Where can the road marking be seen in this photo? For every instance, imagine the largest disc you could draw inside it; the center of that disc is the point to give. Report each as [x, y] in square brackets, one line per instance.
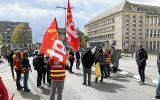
[6, 75]
[155, 81]
[123, 73]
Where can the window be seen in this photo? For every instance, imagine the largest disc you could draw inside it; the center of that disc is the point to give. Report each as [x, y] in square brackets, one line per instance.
[134, 16]
[147, 20]
[140, 21]
[140, 17]
[133, 33]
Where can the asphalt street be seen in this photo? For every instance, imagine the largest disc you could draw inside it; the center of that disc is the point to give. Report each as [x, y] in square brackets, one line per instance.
[114, 88]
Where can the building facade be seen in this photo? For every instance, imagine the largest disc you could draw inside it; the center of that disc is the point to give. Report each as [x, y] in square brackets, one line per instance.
[7, 28]
[129, 25]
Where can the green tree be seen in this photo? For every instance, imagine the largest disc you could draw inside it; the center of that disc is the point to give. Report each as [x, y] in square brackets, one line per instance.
[18, 37]
[1, 39]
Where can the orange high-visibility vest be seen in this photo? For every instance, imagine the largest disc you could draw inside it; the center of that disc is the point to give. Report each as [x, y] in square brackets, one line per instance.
[57, 70]
[108, 59]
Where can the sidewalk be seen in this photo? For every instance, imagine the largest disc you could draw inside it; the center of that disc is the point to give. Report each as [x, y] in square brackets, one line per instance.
[10, 84]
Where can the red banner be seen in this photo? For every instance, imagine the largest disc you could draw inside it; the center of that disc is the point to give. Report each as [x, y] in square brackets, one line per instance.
[71, 35]
[52, 45]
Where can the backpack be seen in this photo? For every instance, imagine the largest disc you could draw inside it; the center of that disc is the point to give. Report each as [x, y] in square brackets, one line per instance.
[102, 59]
[35, 62]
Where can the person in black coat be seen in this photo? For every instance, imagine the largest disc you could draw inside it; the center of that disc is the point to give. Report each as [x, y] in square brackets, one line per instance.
[71, 60]
[77, 60]
[10, 60]
[87, 62]
[141, 57]
[40, 68]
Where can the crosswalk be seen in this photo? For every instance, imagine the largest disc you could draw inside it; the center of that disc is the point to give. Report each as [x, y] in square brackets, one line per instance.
[6, 75]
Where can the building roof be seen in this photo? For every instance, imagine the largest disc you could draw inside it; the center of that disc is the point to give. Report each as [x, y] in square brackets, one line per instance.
[152, 10]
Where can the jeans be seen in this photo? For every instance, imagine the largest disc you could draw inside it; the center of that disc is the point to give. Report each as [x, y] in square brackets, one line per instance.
[141, 70]
[85, 72]
[158, 88]
[25, 82]
[44, 75]
[57, 87]
[18, 72]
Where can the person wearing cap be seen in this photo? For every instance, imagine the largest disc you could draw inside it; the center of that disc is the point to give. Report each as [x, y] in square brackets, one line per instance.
[141, 57]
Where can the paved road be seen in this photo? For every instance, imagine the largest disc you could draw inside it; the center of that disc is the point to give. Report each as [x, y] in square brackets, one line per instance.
[114, 88]
[130, 65]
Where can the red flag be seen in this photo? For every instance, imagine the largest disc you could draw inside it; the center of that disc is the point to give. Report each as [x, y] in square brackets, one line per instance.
[52, 45]
[72, 37]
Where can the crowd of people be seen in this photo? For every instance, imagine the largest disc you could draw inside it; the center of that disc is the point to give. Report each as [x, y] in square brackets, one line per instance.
[53, 72]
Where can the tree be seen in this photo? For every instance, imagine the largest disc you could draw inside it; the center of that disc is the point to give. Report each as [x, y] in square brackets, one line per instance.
[1, 39]
[18, 37]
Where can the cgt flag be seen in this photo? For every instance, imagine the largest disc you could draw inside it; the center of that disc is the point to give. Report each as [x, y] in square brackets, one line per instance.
[72, 37]
[52, 45]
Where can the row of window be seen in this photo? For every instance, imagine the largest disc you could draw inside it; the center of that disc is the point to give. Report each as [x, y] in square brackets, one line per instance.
[152, 32]
[153, 21]
[103, 30]
[152, 45]
[102, 23]
[134, 16]
[107, 36]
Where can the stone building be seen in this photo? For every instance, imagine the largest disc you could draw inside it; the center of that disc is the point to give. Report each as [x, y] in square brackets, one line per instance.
[7, 28]
[129, 24]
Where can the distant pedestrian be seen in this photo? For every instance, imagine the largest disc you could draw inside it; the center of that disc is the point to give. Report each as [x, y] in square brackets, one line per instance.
[102, 61]
[87, 62]
[57, 74]
[77, 60]
[18, 68]
[40, 68]
[115, 56]
[26, 68]
[3, 91]
[108, 61]
[10, 60]
[158, 85]
[141, 57]
[71, 60]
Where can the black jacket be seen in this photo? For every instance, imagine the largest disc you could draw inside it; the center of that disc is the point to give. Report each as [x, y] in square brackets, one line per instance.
[88, 59]
[141, 57]
[77, 55]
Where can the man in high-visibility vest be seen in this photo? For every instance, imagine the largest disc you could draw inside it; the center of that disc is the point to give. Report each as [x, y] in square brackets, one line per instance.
[57, 73]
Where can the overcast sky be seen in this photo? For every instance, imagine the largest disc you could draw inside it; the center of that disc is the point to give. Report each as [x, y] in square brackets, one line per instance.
[40, 13]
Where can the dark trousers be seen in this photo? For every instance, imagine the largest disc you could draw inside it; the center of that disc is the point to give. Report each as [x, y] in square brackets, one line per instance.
[108, 70]
[39, 77]
[102, 68]
[48, 78]
[114, 70]
[71, 65]
[18, 74]
[44, 75]
[77, 64]
[141, 70]
[12, 69]
[86, 71]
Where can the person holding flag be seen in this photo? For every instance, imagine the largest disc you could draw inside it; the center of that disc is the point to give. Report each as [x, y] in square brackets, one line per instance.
[53, 47]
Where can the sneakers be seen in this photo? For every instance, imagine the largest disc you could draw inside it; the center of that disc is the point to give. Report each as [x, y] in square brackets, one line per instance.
[27, 90]
[18, 88]
[84, 83]
[142, 83]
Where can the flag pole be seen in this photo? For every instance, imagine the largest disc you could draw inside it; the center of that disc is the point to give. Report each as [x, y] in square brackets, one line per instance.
[64, 8]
